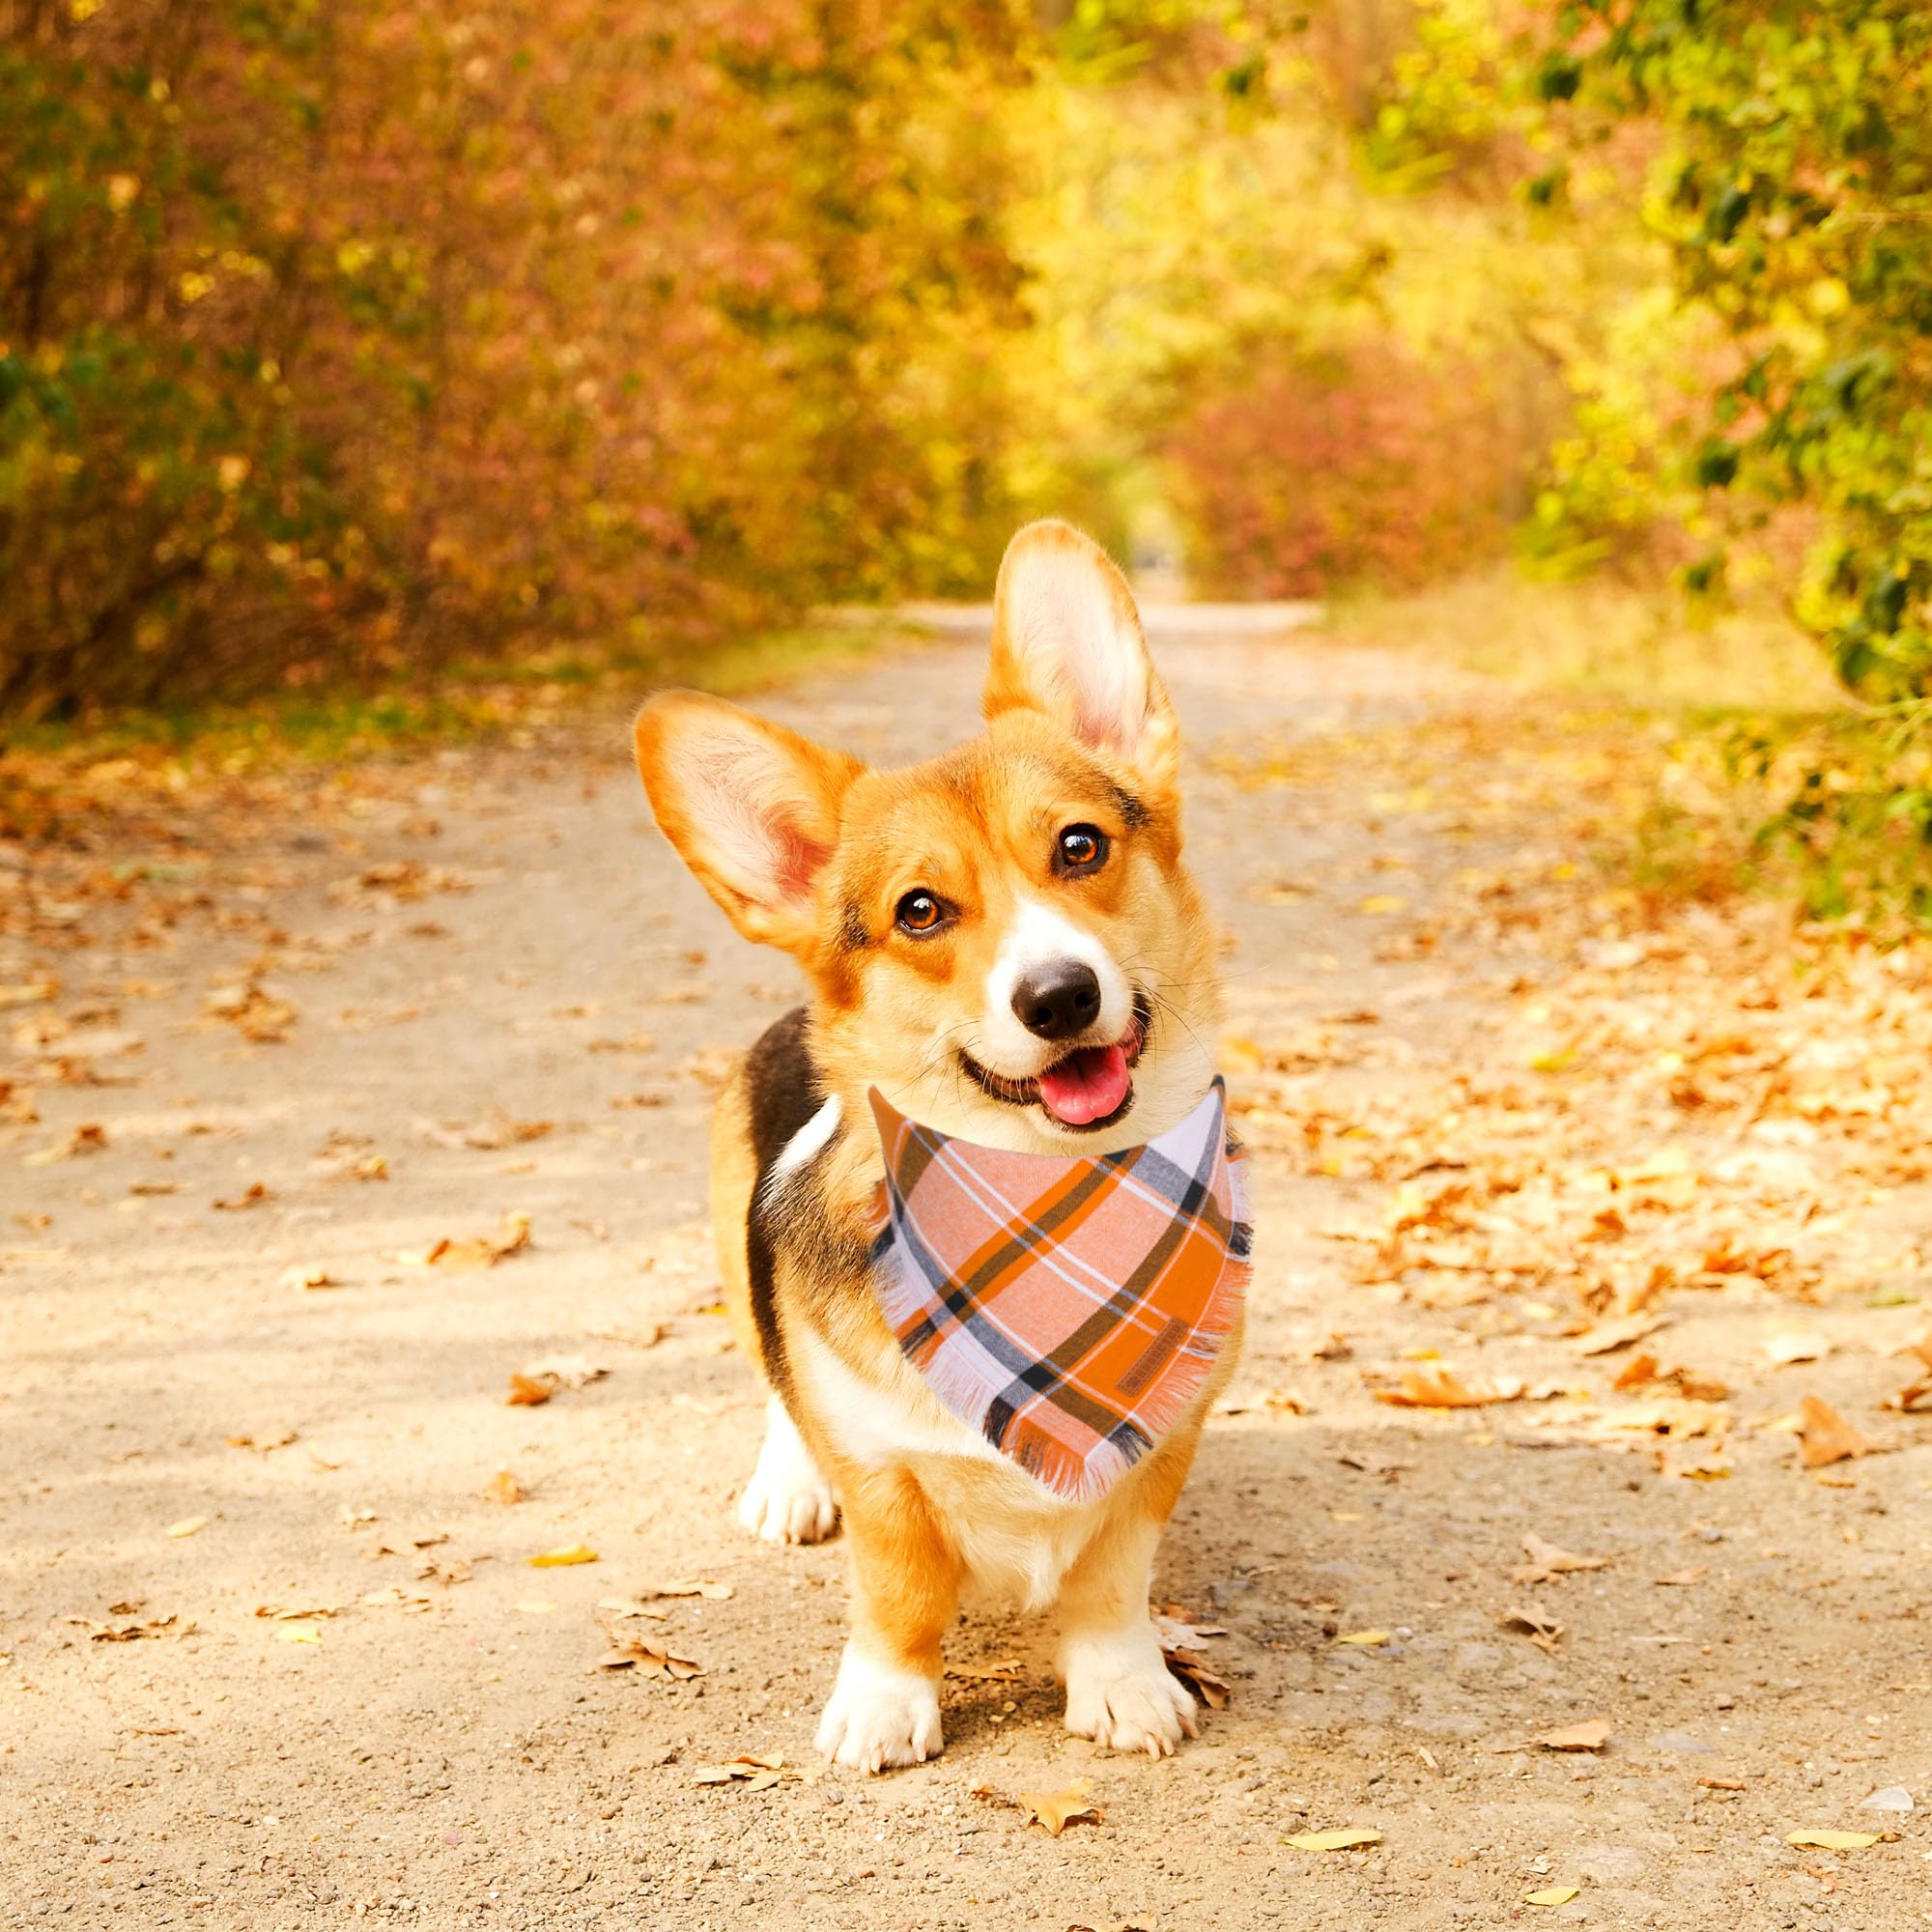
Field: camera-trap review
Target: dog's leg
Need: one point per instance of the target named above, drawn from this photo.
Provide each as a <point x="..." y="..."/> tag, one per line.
<point x="1119" y="1690"/>
<point x="884" y="1710"/>
<point x="787" y="1499"/>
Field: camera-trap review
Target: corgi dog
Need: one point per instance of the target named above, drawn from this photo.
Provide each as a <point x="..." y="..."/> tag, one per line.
<point x="1005" y="944"/>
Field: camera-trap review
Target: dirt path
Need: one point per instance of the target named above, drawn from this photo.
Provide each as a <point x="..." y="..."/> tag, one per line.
<point x="1470" y="1139"/>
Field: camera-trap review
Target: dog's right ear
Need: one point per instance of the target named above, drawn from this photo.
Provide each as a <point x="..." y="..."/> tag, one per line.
<point x="751" y="807"/>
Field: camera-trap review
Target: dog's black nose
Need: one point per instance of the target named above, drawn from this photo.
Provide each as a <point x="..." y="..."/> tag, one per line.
<point x="1057" y="1000"/>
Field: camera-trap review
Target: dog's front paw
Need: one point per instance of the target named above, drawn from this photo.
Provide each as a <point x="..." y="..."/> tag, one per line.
<point x="1121" y="1693"/>
<point x="787" y="1499"/>
<point x="879" y="1715"/>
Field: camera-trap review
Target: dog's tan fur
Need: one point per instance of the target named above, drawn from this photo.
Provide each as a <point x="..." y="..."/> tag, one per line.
<point x="806" y="849"/>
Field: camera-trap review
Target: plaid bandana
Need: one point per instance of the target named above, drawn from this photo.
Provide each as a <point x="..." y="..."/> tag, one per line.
<point x="1067" y="1309"/>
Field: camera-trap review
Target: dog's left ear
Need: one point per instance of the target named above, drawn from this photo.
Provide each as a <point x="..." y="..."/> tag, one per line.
<point x="1067" y="642"/>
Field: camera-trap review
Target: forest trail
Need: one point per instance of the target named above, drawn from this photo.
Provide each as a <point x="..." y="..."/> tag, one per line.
<point x="1498" y="1110"/>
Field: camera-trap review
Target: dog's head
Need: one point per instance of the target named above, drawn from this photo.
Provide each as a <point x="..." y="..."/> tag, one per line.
<point x="1001" y="939"/>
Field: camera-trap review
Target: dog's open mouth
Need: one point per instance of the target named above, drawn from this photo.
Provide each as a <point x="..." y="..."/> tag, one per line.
<point x="1091" y="1088"/>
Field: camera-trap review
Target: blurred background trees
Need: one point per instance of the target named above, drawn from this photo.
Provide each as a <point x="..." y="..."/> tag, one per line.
<point x="340" y="336"/>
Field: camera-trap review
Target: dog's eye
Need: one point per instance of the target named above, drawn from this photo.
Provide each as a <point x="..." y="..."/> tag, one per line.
<point x="920" y="914"/>
<point x="1079" y="849"/>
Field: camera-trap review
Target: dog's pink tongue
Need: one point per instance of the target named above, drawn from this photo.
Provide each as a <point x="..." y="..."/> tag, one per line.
<point x="1086" y="1085"/>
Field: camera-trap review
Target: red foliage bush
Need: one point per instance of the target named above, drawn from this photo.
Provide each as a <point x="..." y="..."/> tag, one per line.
<point x="1300" y="473"/>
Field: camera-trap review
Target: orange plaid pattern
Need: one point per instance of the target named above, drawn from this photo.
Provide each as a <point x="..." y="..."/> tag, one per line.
<point x="1068" y="1309"/>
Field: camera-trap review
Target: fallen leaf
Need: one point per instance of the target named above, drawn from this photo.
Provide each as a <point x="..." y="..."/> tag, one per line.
<point x="1891" y="1798"/>
<point x="1537" y="1623"/>
<point x="393" y="1598"/>
<point x="1683" y="1577"/>
<point x="1443" y="1388"/>
<point x="490" y="1135"/>
<point x="632" y="1607"/>
<point x="569" y="1372"/>
<point x="526" y="1394"/>
<point x="1366" y="1638"/>
<point x="1058" y="1809"/>
<point x="283" y="1613"/>
<point x="1824" y="1437"/>
<point x="1724" y="1785"/>
<point x="1550" y="1894"/>
<point x="756" y="1771"/>
<point x="1913" y="1399"/>
<point x="505" y="1488"/>
<point x="1782" y="1351"/>
<point x="479" y="1251"/>
<point x="306" y="1275"/>
<point x="1591" y="1735"/>
<point x="298" y="1632"/>
<point x="1215" y="1689"/>
<point x="1835" y="1841"/>
<point x="632" y="1653"/>
<point x="1610" y="1336"/>
<point x="1637" y="1370"/>
<point x="129" y="1632"/>
<point x="396" y="1545"/>
<point x="1000" y="1670"/>
<point x="1547" y="1561"/>
<point x="564" y="1558"/>
<point x="88" y="1139"/>
<point x="1346" y="1839"/>
<point x="705" y="1588"/>
<point x="252" y="1196"/>
<point x="187" y="1525"/>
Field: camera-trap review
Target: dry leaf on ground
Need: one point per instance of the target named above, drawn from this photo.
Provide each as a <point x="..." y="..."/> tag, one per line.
<point x="132" y="1631"/>
<point x="1347" y="1840"/>
<point x="694" y="1588"/>
<point x="756" y="1771"/>
<point x="505" y="1488"/>
<point x="632" y="1653"/>
<point x="89" y="1139"/>
<point x="306" y="1275"/>
<point x="1366" y="1639"/>
<point x="393" y="1598"/>
<point x="1535" y="1623"/>
<point x="1443" y="1388"/>
<point x="1824" y="1437"/>
<point x="489" y="1136"/>
<point x="1058" y="1809"/>
<point x="1782" y="1351"/>
<point x="1590" y="1735"/>
<point x="526" y="1394"/>
<point x="478" y="1251"/>
<point x="255" y="1195"/>
<point x="1550" y="1894"/>
<point x="1681" y="1578"/>
<point x="998" y="1670"/>
<point x="1609" y="1336"/>
<point x="187" y="1525"/>
<point x="1213" y="1689"/>
<point x="569" y="1555"/>
<point x="565" y="1372"/>
<point x="1835" y="1841"/>
<point x="1547" y="1561"/>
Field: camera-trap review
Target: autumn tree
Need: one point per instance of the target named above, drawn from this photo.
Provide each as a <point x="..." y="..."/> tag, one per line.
<point x="339" y="335"/>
